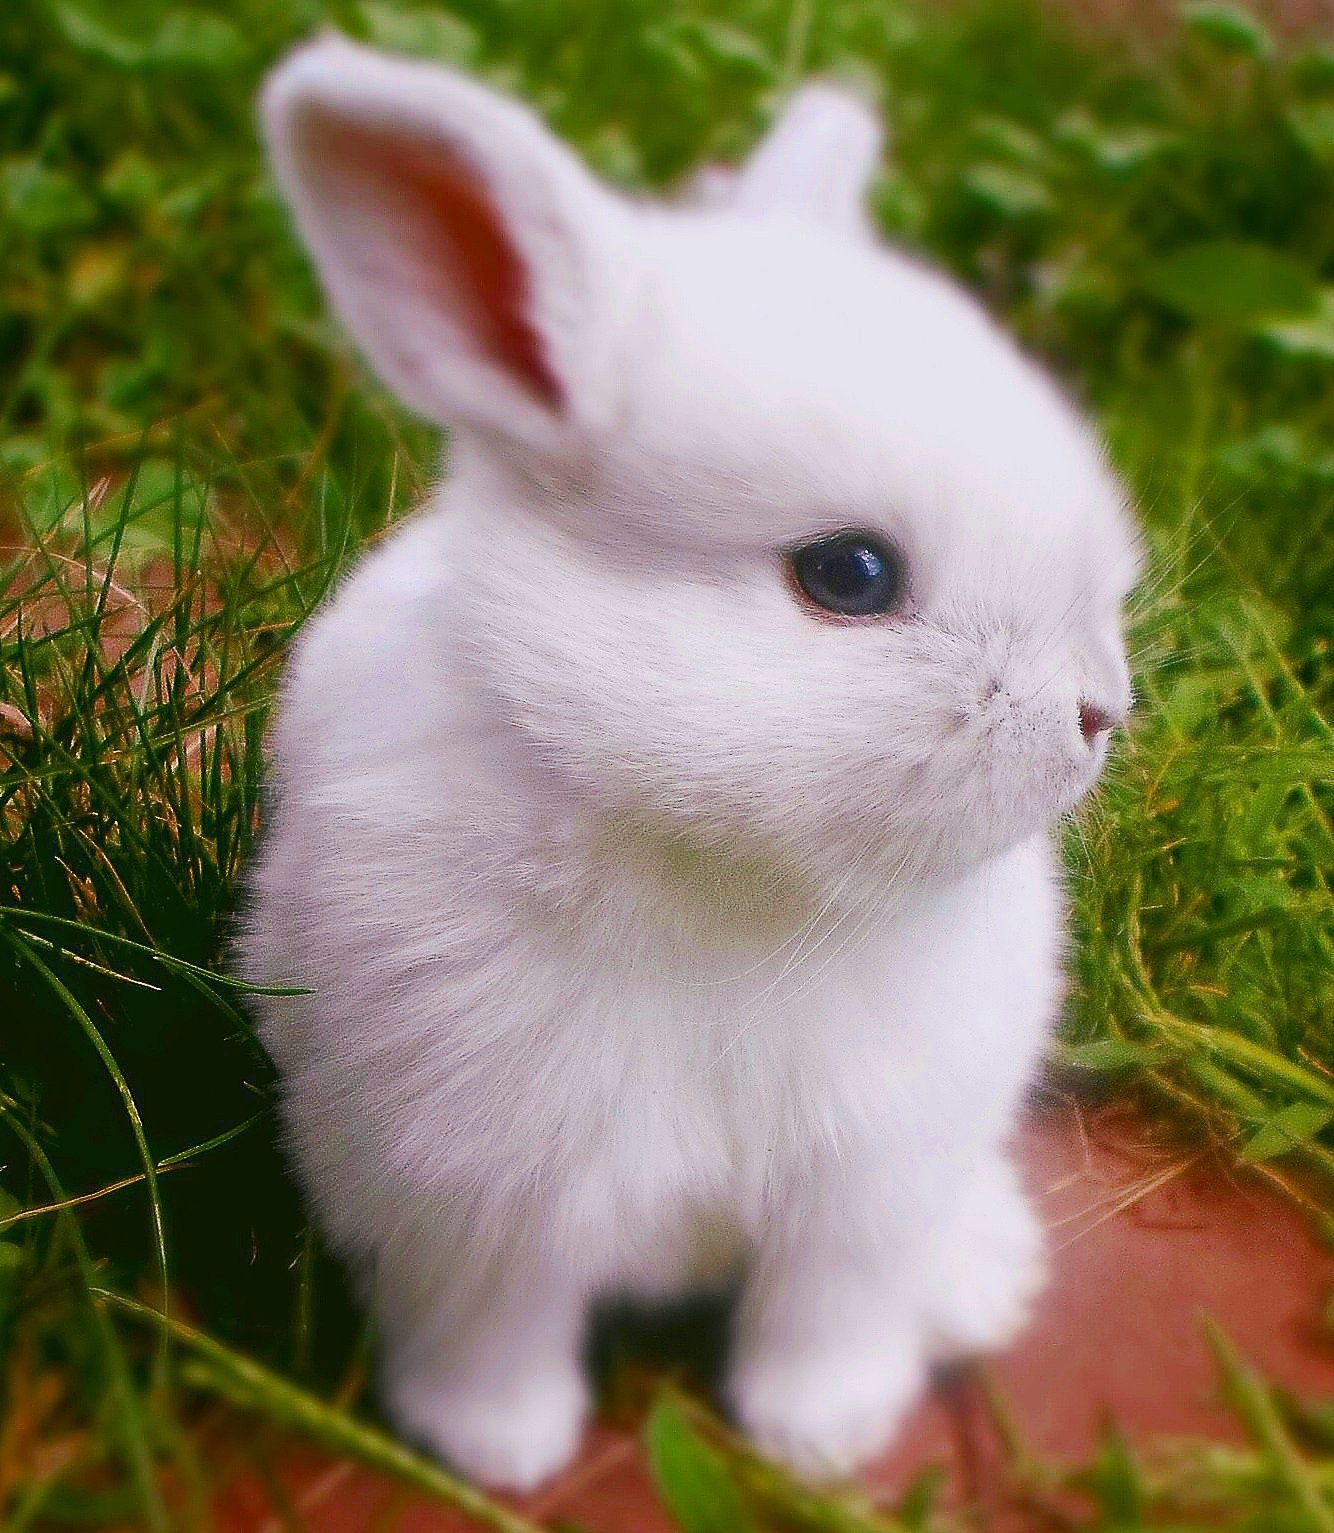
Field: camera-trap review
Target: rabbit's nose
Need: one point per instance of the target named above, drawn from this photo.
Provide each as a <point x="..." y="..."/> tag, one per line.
<point x="1096" y="719"/>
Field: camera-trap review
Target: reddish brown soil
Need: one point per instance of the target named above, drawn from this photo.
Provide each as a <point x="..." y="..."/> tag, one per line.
<point x="1145" y="1241"/>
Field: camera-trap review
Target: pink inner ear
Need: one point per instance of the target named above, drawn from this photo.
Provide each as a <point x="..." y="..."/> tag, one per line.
<point x="474" y="258"/>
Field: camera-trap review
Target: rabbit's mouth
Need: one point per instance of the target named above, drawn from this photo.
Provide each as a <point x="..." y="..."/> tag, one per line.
<point x="1064" y="740"/>
<point x="1020" y="776"/>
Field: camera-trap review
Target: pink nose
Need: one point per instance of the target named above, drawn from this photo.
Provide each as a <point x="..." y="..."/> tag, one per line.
<point x="1095" y="721"/>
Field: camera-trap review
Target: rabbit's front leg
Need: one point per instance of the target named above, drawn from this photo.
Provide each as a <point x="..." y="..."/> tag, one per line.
<point x="493" y="1383"/>
<point x="987" y="1266"/>
<point x="830" y="1350"/>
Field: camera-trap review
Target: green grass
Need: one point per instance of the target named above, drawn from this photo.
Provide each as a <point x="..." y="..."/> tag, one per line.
<point x="189" y="454"/>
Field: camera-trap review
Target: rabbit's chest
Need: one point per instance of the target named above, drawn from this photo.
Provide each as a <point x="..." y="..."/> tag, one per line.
<point x="656" y="1160"/>
<point x="702" y="1096"/>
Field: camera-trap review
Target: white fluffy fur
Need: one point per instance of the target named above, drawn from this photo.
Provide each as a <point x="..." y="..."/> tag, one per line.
<point x="656" y="927"/>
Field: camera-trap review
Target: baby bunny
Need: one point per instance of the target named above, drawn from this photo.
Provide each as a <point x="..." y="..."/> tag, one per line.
<point x="661" y="821"/>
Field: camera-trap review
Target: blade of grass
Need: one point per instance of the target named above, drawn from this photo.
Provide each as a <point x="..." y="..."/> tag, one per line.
<point x="129" y="1416"/>
<point x="1249" y="1396"/>
<point x="21" y="914"/>
<point x="72" y="1006"/>
<point x="248" y="1383"/>
<point x="167" y="1163"/>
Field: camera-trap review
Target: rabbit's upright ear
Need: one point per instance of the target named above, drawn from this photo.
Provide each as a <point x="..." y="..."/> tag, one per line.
<point x="475" y="261"/>
<point x="816" y="161"/>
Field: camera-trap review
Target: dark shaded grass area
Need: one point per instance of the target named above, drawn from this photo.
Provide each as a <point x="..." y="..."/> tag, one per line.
<point x="189" y="456"/>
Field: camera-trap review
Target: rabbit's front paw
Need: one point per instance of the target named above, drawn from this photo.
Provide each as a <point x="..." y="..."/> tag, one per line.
<point x="987" y="1268"/>
<point x="508" y="1434"/>
<point x="825" y="1412"/>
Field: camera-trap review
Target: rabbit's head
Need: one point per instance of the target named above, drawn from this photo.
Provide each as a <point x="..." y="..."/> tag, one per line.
<point x="767" y="536"/>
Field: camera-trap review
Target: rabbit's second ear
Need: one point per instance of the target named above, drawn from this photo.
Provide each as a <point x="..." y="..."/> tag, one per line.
<point x="473" y="259"/>
<point x="816" y="161"/>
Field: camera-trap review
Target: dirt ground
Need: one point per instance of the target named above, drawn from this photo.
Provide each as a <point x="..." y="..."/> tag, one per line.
<point x="1146" y="1240"/>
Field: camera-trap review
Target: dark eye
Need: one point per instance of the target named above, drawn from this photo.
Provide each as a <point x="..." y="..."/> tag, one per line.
<point x="855" y="574"/>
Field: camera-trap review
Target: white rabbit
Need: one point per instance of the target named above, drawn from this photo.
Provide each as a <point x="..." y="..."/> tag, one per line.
<point x="662" y="819"/>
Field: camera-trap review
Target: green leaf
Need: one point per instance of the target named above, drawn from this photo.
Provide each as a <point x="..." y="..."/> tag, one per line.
<point x="1314" y="66"/>
<point x="1105" y="1055"/>
<point x="1116" y="151"/>
<point x="1229" y="28"/>
<point x="1286" y="1131"/>
<point x="1116" y="1481"/>
<point x="192" y="40"/>
<point x="1193" y="697"/>
<point x="92" y="34"/>
<point x="917" y="1504"/>
<point x="1011" y="193"/>
<point x="692" y="1477"/>
<point x="1231" y="282"/>
<point x="1292" y="765"/>
<point x="728" y="48"/>
<point x="1272" y="452"/>
<point x="43" y="201"/>
<point x="898" y="205"/>
<point x="189" y="199"/>
<point x="612" y="153"/>
<point x="671" y="54"/>
<point x="1010" y="141"/>
<point x="178" y="40"/>
<point x="431" y="34"/>
<point x="1312" y="125"/>
<point x="132" y="179"/>
<point x="1310" y="339"/>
